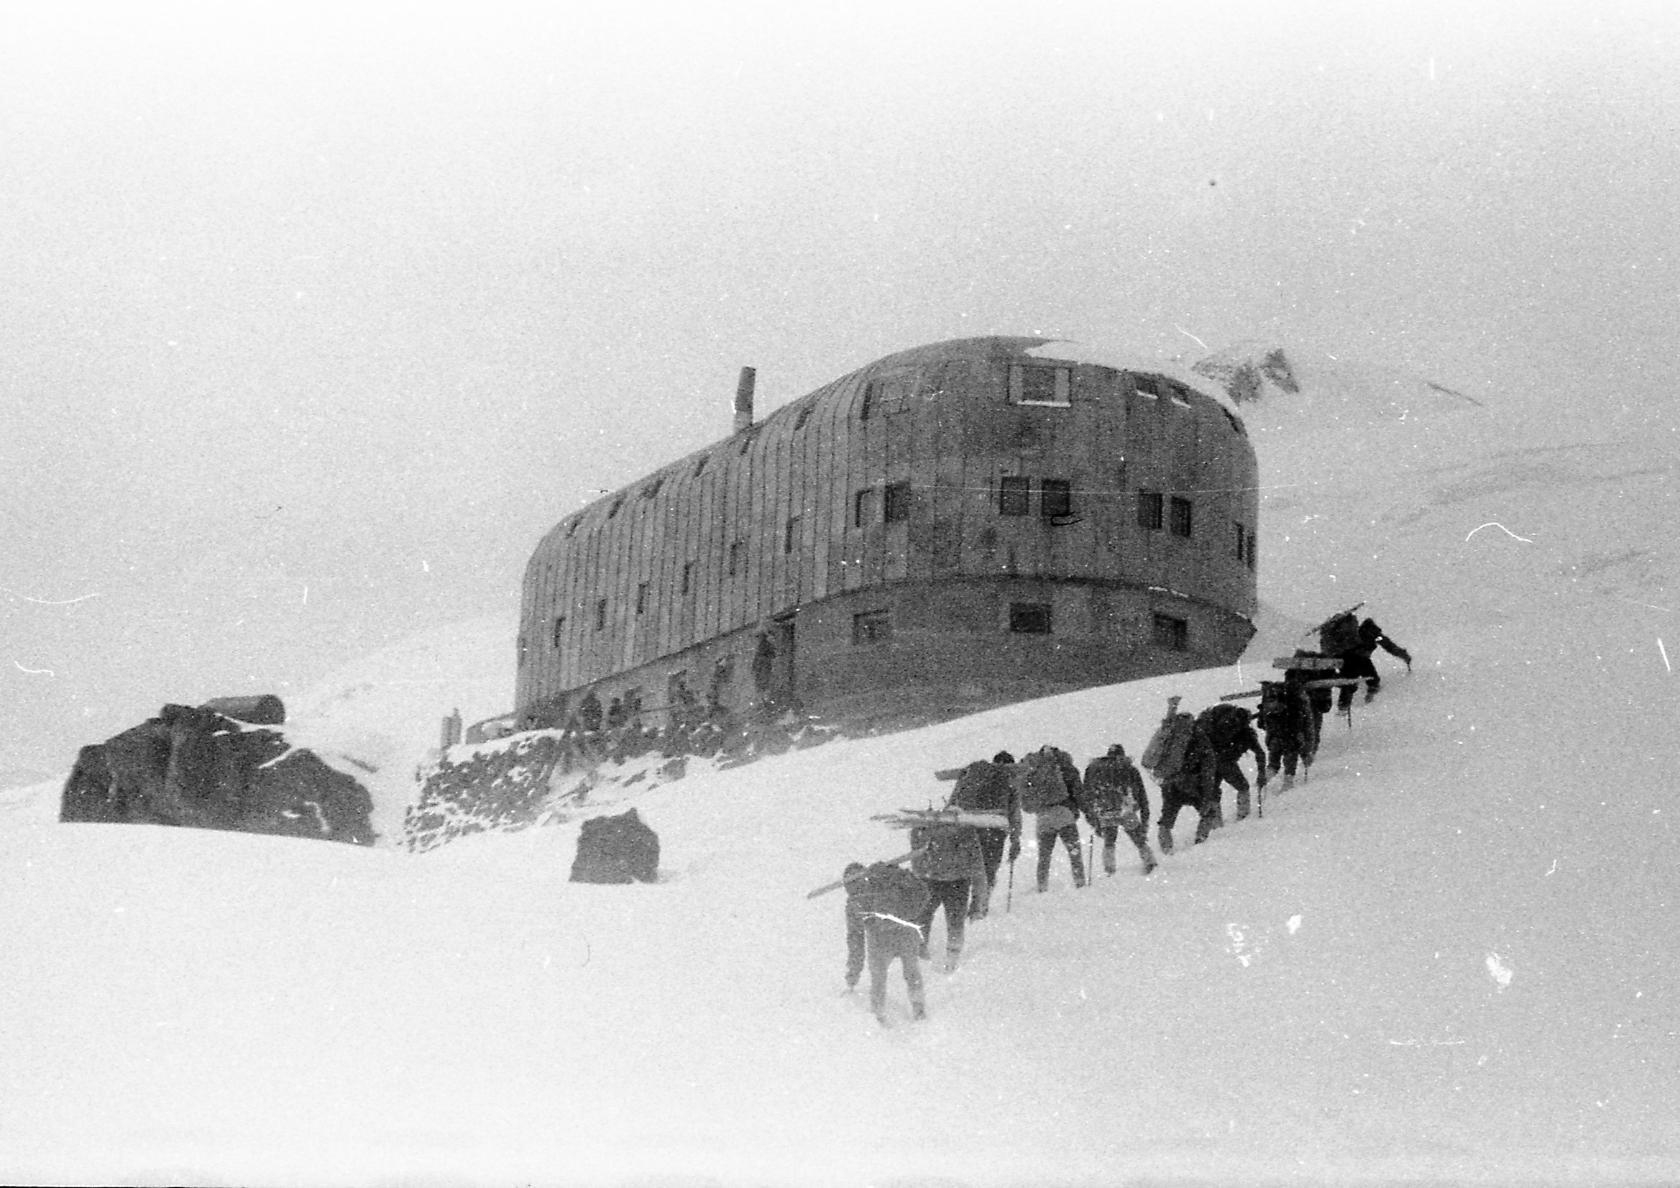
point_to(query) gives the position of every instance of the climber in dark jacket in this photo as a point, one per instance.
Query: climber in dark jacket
(984, 787)
(1356, 661)
(1116, 799)
(883, 905)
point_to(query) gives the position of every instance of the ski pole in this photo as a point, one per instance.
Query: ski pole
(1009, 894)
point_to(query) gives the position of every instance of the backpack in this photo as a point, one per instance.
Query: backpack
(982, 787)
(888, 890)
(1164, 756)
(1339, 636)
(1113, 797)
(948, 853)
(1038, 779)
(1277, 707)
(1224, 725)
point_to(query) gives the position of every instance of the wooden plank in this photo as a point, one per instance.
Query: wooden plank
(1308, 663)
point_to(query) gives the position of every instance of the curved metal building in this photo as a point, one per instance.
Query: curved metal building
(954, 526)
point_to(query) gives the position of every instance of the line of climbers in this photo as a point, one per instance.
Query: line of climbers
(955, 863)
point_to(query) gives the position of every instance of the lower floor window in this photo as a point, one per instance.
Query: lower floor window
(871, 627)
(1172, 632)
(1031, 618)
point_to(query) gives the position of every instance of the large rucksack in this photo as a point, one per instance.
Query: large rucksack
(1224, 724)
(982, 787)
(1038, 780)
(1168, 746)
(948, 851)
(888, 890)
(1112, 795)
(1279, 707)
(1340, 635)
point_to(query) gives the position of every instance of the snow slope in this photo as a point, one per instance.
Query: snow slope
(1450, 957)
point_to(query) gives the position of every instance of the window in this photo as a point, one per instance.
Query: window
(700, 466)
(1147, 385)
(791, 535)
(558, 631)
(863, 508)
(617, 503)
(1149, 510)
(1030, 618)
(687, 576)
(600, 614)
(652, 489)
(1040, 385)
(641, 598)
(737, 557)
(1242, 540)
(895, 502)
(1180, 395)
(1172, 633)
(804, 415)
(871, 627)
(1180, 516)
(1013, 490)
(868, 399)
(1055, 498)
(1251, 549)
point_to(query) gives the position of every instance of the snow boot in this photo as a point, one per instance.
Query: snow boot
(1163, 838)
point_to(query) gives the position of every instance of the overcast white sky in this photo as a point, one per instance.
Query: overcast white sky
(312, 322)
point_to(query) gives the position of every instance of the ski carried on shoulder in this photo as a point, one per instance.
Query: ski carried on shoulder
(908, 818)
(852, 878)
(1309, 663)
(1332, 619)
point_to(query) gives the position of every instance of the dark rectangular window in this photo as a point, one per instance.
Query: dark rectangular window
(1013, 493)
(1172, 633)
(790, 536)
(1149, 510)
(1242, 540)
(641, 598)
(737, 558)
(1030, 618)
(871, 627)
(895, 502)
(863, 508)
(600, 614)
(1147, 385)
(1251, 550)
(559, 629)
(1040, 385)
(1055, 498)
(687, 576)
(1180, 516)
(868, 399)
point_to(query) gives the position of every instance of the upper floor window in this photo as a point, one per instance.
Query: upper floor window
(1149, 510)
(600, 614)
(1147, 385)
(790, 535)
(1251, 549)
(559, 630)
(641, 598)
(1044, 385)
(687, 577)
(1180, 516)
(1030, 618)
(895, 502)
(1013, 494)
(1242, 539)
(737, 557)
(1055, 498)
(804, 415)
(617, 503)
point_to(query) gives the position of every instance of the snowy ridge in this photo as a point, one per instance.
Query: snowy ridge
(1448, 957)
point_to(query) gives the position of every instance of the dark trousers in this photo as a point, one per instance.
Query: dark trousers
(1232, 774)
(1139, 837)
(889, 942)
(1192, 793)
(992, 843)
(952, 895)
(1357, 665)
(1047, 846)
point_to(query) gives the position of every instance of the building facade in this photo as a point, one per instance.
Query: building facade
(951, 527)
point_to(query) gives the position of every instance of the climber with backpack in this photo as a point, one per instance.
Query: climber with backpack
(1286, 715)
(1353, 642)
(1048, 785)
(949, 861)
(1182, 761)
(1229, 731)
(884, 903)
(987, 787)
(1115, 800)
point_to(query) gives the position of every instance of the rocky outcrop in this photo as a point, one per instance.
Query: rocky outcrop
(621, 849)
(197, 767)
(1250, 371)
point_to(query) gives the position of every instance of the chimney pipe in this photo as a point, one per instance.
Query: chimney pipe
(744, 399)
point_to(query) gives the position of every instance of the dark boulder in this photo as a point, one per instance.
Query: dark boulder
(200, 768)
(619, 849)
